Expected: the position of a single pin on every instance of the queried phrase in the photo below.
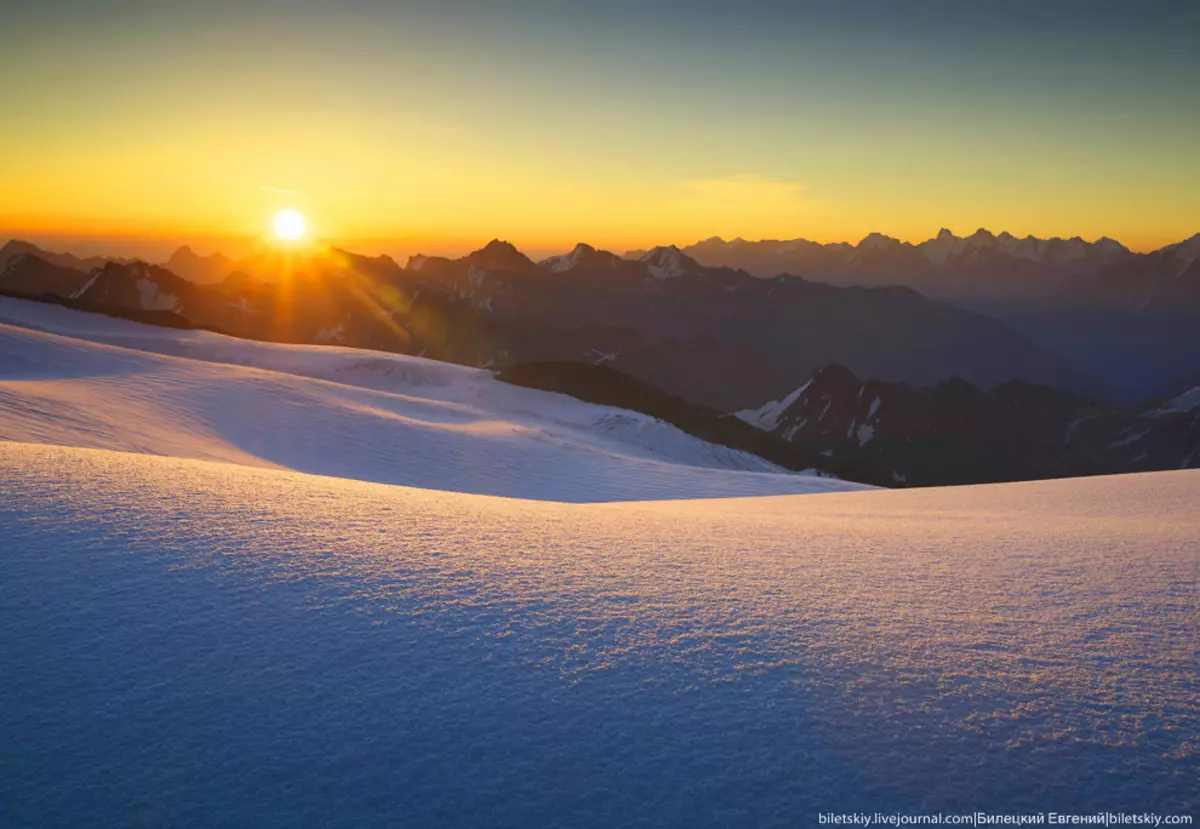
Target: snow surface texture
(192, 643)
(185, 642)
(86, 380)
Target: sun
(289, 225)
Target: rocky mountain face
(25, 273)
(714, 336)
(1126, 317)
(607, 386)
(956, 433)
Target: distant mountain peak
(15, 247)
(582, 255)
(878, 241)
(666, 262)
(1188, 250)
(199, 269)
(833, 378)
(500, 255)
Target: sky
(437, 126)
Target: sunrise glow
(289, 225)
(826, 127)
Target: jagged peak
(580, 253)
(835, 372)
(876, 236)
(499, 246)
(661, 251)
(878, 241)
(667, 261)
(500, 254)
(20, 245)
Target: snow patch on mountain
(1185, 402)
(153, 298)
(87, 285)
(766, 417)
(668, 262)
(569, 261)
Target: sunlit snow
(188, 642)
(87, 380)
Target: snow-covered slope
(188, 643)
(76, 379)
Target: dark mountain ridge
(658, 333)
(716, 336)
(1129, 318)
(15, 247)
(956, 433)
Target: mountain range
(982, 266)
(1128, 317)
(949, 396)
(711, 335)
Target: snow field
(195, 643)
(75, 379)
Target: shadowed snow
(192, 643)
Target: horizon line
(449, 246)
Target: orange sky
(415, 129)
